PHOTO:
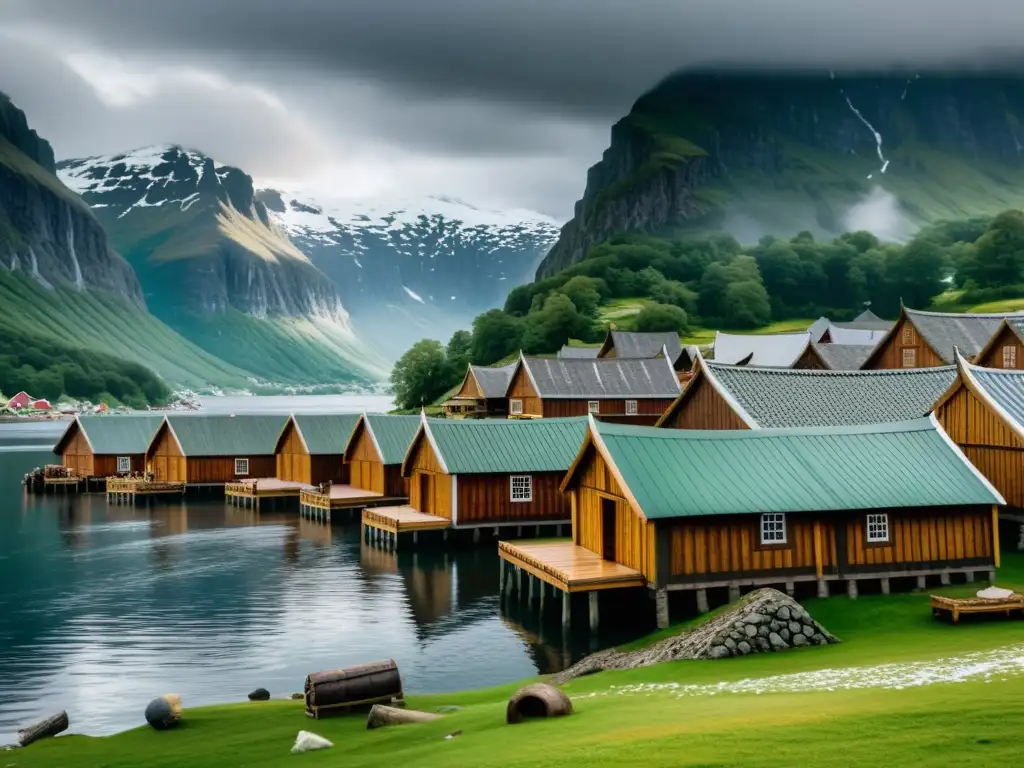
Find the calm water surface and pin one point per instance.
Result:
(103, 608)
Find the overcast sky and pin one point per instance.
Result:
(504, 103)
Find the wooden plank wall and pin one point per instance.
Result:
(293, 463)
(520, 388)
(487, 498)
(424, 463)
(987, 442)
(994, 358)
(704, 408)
(891, 354)
(78, 455)
(105, 465)
(810, 360)
(365, 468)
(328, 468)
(634, 536)
(221, 469)
(165, 458)
(647, 411)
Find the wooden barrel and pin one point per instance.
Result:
(363, 685)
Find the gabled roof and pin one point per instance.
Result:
(780, 397)
(392, 435)
(842, 357)
(324, 434)
(1001, 389)
(630, 344)
(968, 332)
(670, 473)
(1014, 324)
(586, 353)
(604, 378)
(868, 320)
(818, 327)
(493, 382)
(245, 434)
(113, 435)
(777, 350)
(478, 446)
(859, 336)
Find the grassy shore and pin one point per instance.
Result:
(968, 723)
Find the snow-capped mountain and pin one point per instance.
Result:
(215, 266)
(411, 268)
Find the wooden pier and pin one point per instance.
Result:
(325, 505)
(386, 524)
(264, 492)
(130, 490)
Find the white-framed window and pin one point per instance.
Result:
(124, 463)
(878, 528)
(773, 528)
(631, 407)
(515, 407)
(909, 358)
(1009, 356)
(241, 466)
(521, 488)
(593, 406)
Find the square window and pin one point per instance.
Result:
(515, 407)
(878, 528)
(631, 407)
(521, 488)
(124, 464)
(241, 466)
(593, 406)
(773, 528)
(1009, 356)
(909, 358)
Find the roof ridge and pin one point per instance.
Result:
(819, 372)
(920, 424)
(993, 315)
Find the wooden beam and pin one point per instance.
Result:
(995, 535)
(817, 549)
(573, 494)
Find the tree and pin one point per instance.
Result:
(655, 318)
(915, 273)
(421, 375)
(999, 256)
(585, 293)
(496, 335)
(553, 326)
(459, 352)
(675, 293)
(747, 305)
(712, 290)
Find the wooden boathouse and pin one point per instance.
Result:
(743, 397)
(628, 390)
(311, 448)
(107, 446)
(374, 455)
(484, 476)
(212, 450)
(925, 339)
(482, 394)
(704, 513)
(983, 413)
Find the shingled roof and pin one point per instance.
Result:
(1002, 389)
(843, 357)
(968, 332)
(604, 378)
(245, 434)
(113, 435)
(583, 353)
(670, 473)
(476, 446)
(772, 350)
(640, 345)
(868, 320)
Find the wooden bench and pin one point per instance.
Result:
(957, 606)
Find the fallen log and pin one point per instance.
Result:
(381, 716)
(51, 726)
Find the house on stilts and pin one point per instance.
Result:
(107, 446)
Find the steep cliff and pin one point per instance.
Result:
(409, 268)
(216, 268)
(777, 153)
(45, 229)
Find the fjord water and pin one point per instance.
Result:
(104, 607)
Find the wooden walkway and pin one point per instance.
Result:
(130, 490)
(321, 505)
(249, 493)
(388, 523)
(568, 567)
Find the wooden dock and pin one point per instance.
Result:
(386, 524)
(325, 504)
(259, 493)
(130, 490)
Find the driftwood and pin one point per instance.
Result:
(51, 726)
(537, 700)
(381, 716)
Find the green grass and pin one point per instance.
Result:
(967, 724)
(1003, 305)
(622, 311)
(703, 336)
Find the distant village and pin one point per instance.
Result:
(23, 406)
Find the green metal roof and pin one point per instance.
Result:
(241, 435)
(326, 434)
(393, 434)
(117, 435)
(507, 446)
(690, 473)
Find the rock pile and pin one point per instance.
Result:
(765, 620)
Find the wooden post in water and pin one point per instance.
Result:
(566, 612)
(595, 618)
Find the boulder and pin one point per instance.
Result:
(164, 712)
(260, 694)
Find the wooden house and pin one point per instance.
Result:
(376, 450)
(925, 339)
(634, 391)
(311, 448)
(107, 446)
(20, 401)
(493, 472)
(697, 510)
(1006, 347)
(214, 449)
(769, 350)
(743, 397)
(482, 394)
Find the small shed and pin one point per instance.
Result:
(107, 446)
(42, 405)
(20, 401)
(483, 393)
(376, 450)
(311, 448)
(206, 449)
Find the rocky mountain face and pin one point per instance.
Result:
(757, 154)
(212, 262)
(410, 268)
(46, 231)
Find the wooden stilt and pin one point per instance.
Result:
(884, 583)
(595, 618)
(566, 612)
(702, 601)
(661, 608)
